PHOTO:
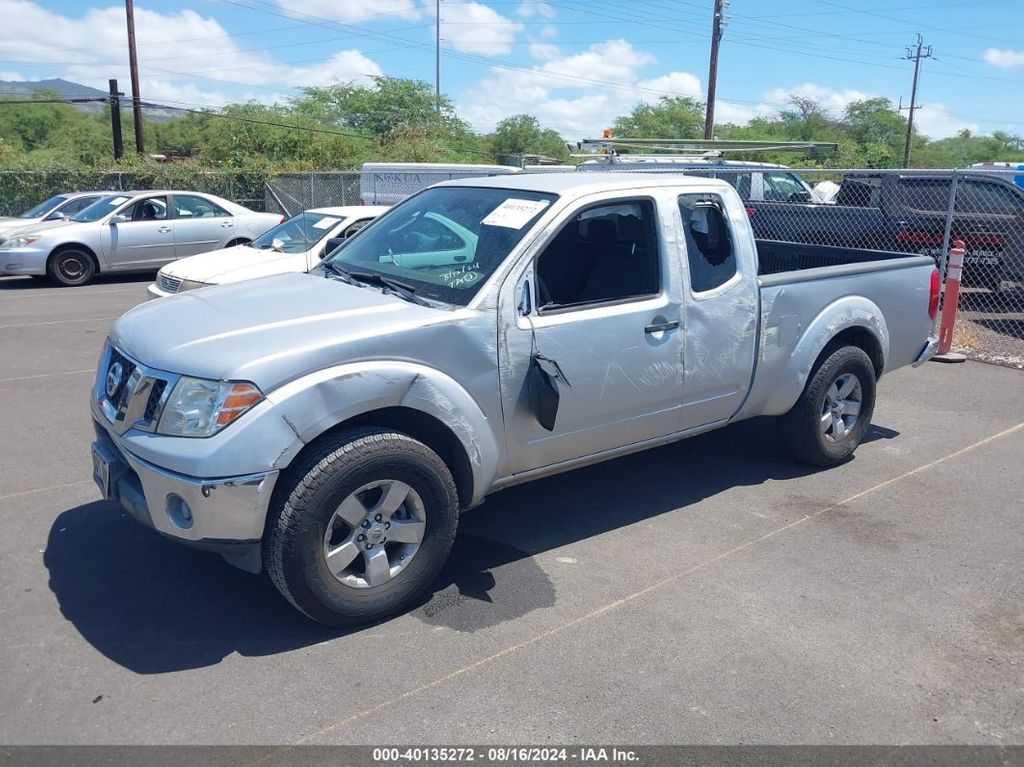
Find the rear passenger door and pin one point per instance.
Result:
(605, 309)
(721, 310)
(200, 225)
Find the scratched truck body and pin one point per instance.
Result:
(329, 427)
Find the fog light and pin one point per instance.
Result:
(178, 512)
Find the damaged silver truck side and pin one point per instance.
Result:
(329, 427)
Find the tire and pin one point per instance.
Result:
(71, 267)
(822, 429)
(318, 511)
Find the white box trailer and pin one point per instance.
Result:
(388, 183)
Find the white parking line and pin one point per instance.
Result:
(46, 489)
(47, 375)
(56, 322)
(62, 291)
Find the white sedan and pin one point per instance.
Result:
(296, 245)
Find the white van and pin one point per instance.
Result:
(387, 183)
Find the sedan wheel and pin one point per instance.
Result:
(71, 268)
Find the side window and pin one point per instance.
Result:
(191, 206)
(985, 197)
(355, 227)
(709, 246)
(783, 187)
(929, 195)
(739, 181)
(75, 206)
(859, 193)
(605, 253)
(147, 209)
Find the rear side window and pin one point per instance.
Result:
(930, 195)
(859, 193)
(605, 253)
(739, 181)
(784, 187)
(191, 206)
(710, 251)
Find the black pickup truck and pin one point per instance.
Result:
(907, 213)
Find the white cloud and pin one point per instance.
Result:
(176, 51)
(545, 51)
(937, 121)
(530, 8)
(577, 94)
(834, 101)
(12, 77)
(351, 10)
(548, 31)
(474, 28)
(1004, 59)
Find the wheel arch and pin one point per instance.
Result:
(422, 402)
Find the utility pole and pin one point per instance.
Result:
(918, 53)
(716, 38)
(133, 63)
(115, 119)
(437, 57)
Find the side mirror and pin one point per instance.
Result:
(118, 219)
(56, 216)
(525, 301)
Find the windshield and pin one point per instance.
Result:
(44, 208)
(298, 234)
(444, 242)
(100, 208)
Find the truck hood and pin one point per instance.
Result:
(233, 264)
(268, 331)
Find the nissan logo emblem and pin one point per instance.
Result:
(114, 378)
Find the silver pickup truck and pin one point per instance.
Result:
(329, 426)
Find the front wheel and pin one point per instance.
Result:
(71, 268)
(832, 415)
(366, 526)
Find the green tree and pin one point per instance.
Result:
(521, 134)
(670, 117)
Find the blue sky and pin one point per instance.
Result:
(573, 63)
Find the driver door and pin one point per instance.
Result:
(145, 241)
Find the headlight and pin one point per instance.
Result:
(190, 285)
(201, 408)
(22, 242)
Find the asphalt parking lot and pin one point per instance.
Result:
(708, 592)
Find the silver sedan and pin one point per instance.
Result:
(131, 232)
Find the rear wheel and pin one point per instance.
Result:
(366, 527)
(832, 415)
(71, 267)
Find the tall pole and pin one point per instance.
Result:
(916, 55)
(437, 57)
(115, 119)
(133, 63)
(716, 38)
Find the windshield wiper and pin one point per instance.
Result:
(394, 287)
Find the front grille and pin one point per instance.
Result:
(153, 403)
(132, 396)
(167, 283)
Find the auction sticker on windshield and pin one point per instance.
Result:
(326, 223)
(514, 213)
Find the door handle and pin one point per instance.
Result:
(164, 229)
(659, 327)
(226, 225)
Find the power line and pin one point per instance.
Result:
(915, 54)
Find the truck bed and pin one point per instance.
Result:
(776, 257)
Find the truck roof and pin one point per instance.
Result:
(580, 184)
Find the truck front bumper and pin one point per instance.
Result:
(225, 515)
